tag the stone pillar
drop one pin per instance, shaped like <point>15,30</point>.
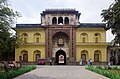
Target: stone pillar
<point>57,20</point>
<point>63,20</point>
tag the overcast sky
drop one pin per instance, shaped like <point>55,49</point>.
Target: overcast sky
<point>90,10</point>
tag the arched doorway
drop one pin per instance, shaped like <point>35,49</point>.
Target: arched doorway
<point>24,55</point>
<point>60,20</point>
<point>60,57</point>
<point>36,55</point>
<point>97,56</point>
<point>84,56</point>
<point>66,20</point>
<point>54,20</point>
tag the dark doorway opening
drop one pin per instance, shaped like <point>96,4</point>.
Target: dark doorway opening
<point>66,20</point>
<point>54,20</point>
<point>60,20</point>
<point>118,58</point>
<point>60,57</point>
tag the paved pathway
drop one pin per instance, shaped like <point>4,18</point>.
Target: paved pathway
<point>60,72</point>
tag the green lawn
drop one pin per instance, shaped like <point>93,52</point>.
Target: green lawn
<point>16,72</point>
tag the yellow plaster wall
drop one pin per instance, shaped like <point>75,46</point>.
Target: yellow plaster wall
<point>31,47</point>
<point>41,47</point>
<point>90,32</point>
<point>91,49</point>
<point>31,33</point>
<point>91,46</point>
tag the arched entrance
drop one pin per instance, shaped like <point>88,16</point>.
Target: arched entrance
<point>60,20</point>
<point>60,57</point>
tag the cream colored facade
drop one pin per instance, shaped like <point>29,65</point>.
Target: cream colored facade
<point>89,39</point>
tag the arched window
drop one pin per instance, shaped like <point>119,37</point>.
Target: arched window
<point>25,37</point>
<point>37,54</point>
<point>97,55</point>
<point>97,37</point>
<point>60,20</point>
<point>66,20</point>
<point>84,37</point>
<point>54,20</point>
<point>37,37</point>
<point>24,55</point>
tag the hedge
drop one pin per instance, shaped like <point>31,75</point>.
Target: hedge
<point>103,70</point>
<point>14,73</point>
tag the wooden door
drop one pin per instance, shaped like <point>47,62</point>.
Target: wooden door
<point>83,56</point>
<point>96,57</point>
<point>25,57</point>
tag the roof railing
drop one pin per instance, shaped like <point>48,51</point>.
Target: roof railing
<point>69,9</point>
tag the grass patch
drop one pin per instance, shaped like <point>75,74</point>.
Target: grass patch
<point>112,72</point>
<point>14,73</point>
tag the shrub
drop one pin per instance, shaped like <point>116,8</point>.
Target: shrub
<point>14,73</point>
<point>104,71</point>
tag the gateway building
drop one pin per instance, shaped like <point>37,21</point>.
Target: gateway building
<point>60,37</point>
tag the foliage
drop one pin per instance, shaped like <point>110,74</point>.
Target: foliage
<point>103,70</point>
<point>8,41</point>
<point>112,18</point>
<point>14,73</point>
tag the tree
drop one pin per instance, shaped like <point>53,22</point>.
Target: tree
<point>8,41</point>
<point>112,18</point>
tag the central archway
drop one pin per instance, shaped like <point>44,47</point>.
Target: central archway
<point>60,57</point>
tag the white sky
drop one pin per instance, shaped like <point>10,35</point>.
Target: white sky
<point>90,10</point>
